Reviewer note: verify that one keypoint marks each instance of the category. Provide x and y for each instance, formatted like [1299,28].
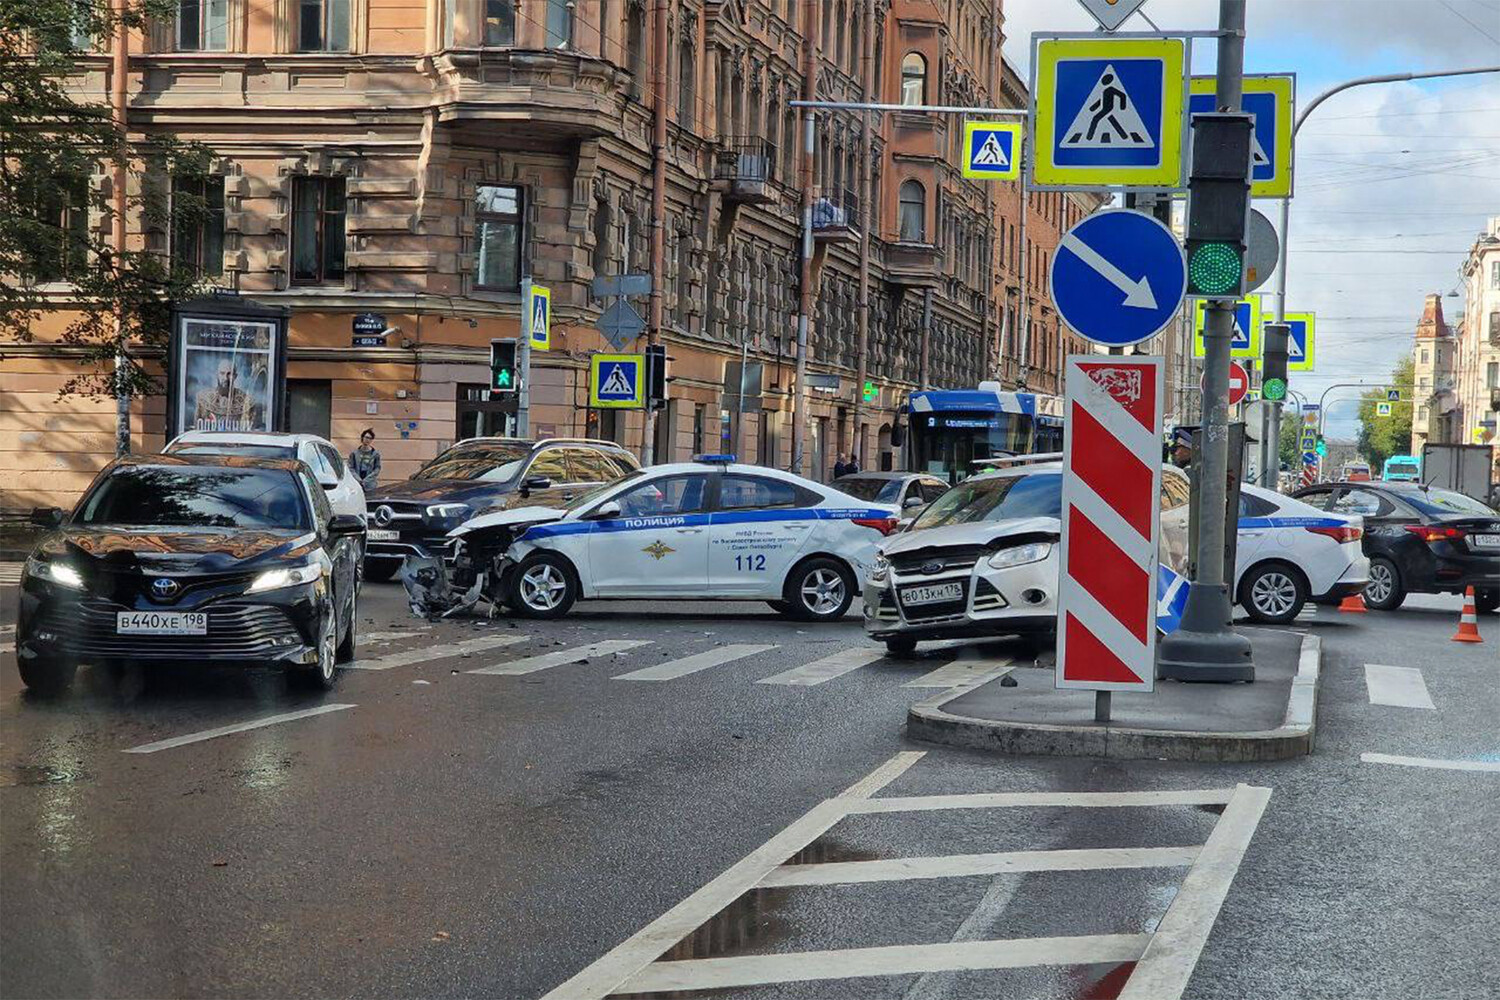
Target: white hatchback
[707,529]
[345,495]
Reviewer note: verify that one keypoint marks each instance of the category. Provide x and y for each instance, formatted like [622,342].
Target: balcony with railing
[744,168]
[835,214]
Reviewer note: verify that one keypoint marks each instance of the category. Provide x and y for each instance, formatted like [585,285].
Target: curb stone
[926,720]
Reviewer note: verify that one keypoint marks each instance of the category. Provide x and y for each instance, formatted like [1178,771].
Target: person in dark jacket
[364,461]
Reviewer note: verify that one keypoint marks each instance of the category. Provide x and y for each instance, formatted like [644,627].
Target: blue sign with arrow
[1118,277]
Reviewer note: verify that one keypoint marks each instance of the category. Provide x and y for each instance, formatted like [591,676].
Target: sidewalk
[1272,719]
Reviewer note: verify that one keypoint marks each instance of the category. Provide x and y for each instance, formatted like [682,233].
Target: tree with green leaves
[57,152]
[1380,437]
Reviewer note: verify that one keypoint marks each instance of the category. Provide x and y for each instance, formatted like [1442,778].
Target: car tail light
[1343,533]
[1434,532]
[884,525]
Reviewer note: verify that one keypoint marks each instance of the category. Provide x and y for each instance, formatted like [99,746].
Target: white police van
[706,529]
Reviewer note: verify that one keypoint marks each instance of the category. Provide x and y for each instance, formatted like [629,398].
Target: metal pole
[658,207]
[523,362]
[119,98]
[1023,319]
[799,400]
[862,372]
[1206,647]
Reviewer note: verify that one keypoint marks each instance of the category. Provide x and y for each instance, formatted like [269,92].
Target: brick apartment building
[417,159]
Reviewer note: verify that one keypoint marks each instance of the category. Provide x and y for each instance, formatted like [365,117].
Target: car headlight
[54,572]
[287,576]
[880,569]
[447,511]
[1021,555]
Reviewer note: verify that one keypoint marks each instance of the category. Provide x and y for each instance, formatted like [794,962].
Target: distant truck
[1356,472]
[1401,469]
[1464,468]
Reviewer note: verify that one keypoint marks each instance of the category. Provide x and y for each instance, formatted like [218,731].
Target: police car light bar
[715,459]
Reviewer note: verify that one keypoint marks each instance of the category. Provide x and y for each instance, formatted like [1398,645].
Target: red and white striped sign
[1111,512]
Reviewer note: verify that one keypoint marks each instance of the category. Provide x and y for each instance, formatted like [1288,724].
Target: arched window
[913,212]
[687,88]
[913,79]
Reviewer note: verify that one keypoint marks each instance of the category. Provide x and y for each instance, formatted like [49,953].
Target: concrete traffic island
[1272,719]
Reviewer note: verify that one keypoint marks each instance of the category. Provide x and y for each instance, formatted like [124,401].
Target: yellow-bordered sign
[1108,111]
[1305,339]
[992,150]
[1246,342]
[1271,99]
[617,381]
[538,303]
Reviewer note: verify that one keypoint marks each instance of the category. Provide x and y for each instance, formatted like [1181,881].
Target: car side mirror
[47,517]
[606,510]
[533,483]
[914,502]
[346,524]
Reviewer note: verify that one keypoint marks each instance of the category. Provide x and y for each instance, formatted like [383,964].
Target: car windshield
[233,448]
[489,462]
[1444,503]
[870,488]
[207,497]
[996,499]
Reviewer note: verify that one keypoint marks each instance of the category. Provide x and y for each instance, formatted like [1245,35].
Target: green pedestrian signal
[1322,448]
[871,392]
[503,373]
[1273,389]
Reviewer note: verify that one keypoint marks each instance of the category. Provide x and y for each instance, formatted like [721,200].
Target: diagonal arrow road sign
[1137,292]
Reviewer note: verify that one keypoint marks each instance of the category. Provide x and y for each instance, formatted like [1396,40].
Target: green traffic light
[1215,268]
[502,378]
[1273,389]
[1322,448]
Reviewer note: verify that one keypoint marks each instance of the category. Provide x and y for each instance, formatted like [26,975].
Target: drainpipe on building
[866,58]
[1023,318]
[658,204]
[804,313]
[926,373]
[119,81]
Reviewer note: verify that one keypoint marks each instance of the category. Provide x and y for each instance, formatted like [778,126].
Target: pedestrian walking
[364,461]
[840,467]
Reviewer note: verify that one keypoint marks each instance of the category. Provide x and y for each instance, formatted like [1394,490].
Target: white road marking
[921,803]
[239,727]
[1445,765]
[962,671]
[388,636]
[826,669]
[940,985]
[531,664]
[673,669]
[1402,687]
[1169,959]
[882,775]
[894,960]
[407,657]
[962,865]
[7,630]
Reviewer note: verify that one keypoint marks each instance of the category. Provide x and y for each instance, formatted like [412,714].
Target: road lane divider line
[826,669]
[673,669]
[1442,765]
[882,775]
[958,672]
[1400,687]
[963,865]
[443,651]
[238,727]
[994,800]
[890,960]
[1172,953]
[544,661]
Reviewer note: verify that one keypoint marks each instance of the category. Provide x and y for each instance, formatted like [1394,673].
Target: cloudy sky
[1393,181]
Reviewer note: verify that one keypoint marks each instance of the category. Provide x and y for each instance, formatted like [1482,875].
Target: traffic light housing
[656,374]
[1219,205]
[1322,448]
[505,375]
[1274,338]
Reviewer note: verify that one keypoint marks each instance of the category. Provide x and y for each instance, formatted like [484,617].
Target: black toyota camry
[206,559]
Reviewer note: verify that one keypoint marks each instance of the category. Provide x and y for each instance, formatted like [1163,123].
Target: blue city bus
[953,429]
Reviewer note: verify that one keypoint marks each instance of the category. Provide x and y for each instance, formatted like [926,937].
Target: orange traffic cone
[1468,625]
[1354,602]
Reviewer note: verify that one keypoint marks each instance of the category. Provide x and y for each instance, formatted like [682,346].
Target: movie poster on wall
[227,371]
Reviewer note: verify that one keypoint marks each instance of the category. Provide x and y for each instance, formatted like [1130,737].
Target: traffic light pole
[1206,647]
[523,365]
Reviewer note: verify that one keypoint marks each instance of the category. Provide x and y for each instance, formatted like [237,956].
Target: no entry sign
[1106,635]
[1239,383]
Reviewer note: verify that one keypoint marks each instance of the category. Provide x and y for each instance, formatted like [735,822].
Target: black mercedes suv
[413,518]
[209,559]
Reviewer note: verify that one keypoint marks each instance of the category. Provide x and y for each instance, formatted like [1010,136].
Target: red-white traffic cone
[1468,625]
[1354,602]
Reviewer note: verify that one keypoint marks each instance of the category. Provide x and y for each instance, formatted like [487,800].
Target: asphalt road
[451,833]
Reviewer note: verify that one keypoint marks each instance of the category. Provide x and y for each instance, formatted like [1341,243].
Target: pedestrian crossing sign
[1245,340]
[1108,112]
[992,150]
[538,302]
[1270,98]
[615,381]
[1301,342]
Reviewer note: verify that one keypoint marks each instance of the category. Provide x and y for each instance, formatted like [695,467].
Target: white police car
[1289,552]
[693,530]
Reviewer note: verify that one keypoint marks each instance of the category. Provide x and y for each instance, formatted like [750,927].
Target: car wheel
[901,645]
[380,571]
[325,673]
[1273,593]
[47,678]
[346,648]
[1384,591]
[819,590]
[1486,599]
[544,586]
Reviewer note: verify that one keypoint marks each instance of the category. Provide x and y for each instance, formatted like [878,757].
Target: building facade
[418,160]
[1434,355]
[1478,367]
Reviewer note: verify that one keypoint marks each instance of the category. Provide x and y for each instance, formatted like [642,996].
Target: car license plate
[1485,541]
[382,534]
[161,623]
[933,594]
